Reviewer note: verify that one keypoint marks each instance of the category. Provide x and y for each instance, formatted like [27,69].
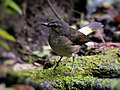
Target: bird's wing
[68,44]
[77,37]
[81,36]
[91,27]
[64,41]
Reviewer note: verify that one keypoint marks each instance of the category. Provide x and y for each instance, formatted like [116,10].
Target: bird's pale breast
[59,46]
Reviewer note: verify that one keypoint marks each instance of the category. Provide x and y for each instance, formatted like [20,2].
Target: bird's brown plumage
[65,40]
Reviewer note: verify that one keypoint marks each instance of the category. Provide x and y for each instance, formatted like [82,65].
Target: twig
[54,11]
[101,37]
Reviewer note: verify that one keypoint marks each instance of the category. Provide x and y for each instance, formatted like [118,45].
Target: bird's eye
[54,25]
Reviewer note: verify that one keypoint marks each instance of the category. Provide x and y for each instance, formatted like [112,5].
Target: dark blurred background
[24,40]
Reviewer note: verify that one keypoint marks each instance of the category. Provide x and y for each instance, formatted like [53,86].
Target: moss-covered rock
[90,73]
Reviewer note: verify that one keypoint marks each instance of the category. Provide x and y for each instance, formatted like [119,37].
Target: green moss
[31,59]
[80,77]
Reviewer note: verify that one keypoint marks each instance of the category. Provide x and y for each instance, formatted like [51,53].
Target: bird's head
[58,26]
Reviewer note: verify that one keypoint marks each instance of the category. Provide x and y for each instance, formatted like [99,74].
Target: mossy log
[96,72]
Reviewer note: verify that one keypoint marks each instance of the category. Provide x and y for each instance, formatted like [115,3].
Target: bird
[66,41]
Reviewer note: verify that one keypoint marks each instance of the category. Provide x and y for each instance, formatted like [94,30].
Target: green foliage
[13,5]
[4,45]
[6,36]
[7,89]
[10,6]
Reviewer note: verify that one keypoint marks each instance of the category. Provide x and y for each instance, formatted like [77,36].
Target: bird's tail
[91,27]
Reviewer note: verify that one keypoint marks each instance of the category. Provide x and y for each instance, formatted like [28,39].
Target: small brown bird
[66,41]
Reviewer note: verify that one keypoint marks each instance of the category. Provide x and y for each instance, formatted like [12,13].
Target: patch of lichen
[66,77]
[82,82]
[61,81]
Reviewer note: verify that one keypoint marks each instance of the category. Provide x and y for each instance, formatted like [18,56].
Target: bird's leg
[57,63]
[73,61]
[74,55]
[73,65]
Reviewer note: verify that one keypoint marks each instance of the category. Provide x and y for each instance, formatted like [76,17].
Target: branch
[54,11]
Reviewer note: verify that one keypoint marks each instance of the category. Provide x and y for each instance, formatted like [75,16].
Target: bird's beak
[45,24]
